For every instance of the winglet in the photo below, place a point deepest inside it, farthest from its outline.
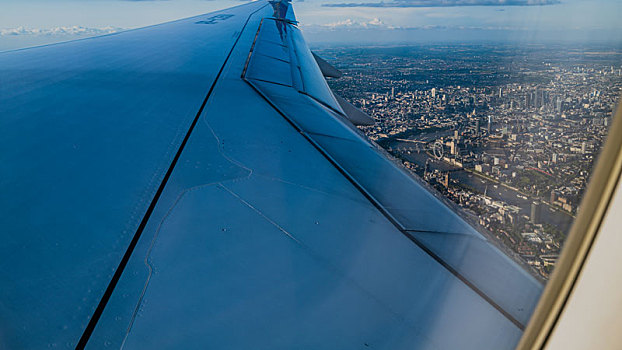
(327, 69)
(355, 115)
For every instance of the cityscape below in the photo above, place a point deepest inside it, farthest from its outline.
(508, 135)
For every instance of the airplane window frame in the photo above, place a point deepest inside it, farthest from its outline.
(593, 208)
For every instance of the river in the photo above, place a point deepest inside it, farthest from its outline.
(496, 191)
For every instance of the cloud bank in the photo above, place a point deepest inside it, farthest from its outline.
(73, 30)
(352, 24)
(446, 3)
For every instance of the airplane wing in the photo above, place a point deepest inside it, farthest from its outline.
(196, 184)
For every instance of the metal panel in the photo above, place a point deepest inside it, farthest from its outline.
(314, 83)
(273, 31)
(510, 286)
(290, 16)
(305, 74)
(413, 206)
(271, 49)
(309, 115)
(266, 280)
(88, 129)
(264, 68)
(328, 70)
(355, 115)
(281, 253)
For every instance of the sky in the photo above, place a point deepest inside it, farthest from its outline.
(334, 22)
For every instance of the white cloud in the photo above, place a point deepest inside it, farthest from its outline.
(446, 3)
(378, 25)
(73, 30)
(353, 24)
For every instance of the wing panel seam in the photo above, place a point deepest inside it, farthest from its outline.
(388, 215)
(128, 253)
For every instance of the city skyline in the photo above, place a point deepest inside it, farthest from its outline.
(507, 136)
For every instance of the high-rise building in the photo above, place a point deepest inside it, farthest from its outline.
(452, 147)
(433, 92)
(544, 98)
(445, 180)
(426, 168)
(535, 212)
(553, 196)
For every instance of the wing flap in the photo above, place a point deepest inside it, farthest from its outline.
(413, 208)
(327, 69)
(355, 115)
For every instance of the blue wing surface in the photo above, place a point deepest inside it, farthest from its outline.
(88, 130)
(196, 185)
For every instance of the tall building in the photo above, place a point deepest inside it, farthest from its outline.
(426, 168)
(433, 92)
(445, 180)
(535, 212)
(489, 124)
(452, 147)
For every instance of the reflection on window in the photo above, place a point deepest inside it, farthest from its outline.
(508, 134)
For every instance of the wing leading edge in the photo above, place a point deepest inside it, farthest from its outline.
(273, 222)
